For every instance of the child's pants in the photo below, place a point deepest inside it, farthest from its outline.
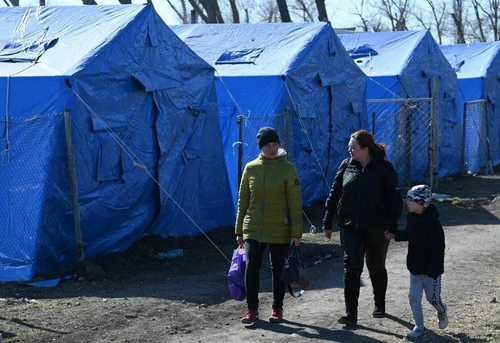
(432, 288)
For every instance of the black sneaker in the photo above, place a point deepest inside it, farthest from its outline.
(378, 312)
(348, 320)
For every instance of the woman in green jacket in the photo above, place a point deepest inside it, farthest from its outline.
(269, 216)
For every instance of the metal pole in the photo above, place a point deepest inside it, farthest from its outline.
(434, 153)
(241, 125)
(73, 184)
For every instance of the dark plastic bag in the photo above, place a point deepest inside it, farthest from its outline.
(236, 275)
(291, 273)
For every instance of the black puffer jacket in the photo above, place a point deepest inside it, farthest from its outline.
(426, 243)
(364, 199)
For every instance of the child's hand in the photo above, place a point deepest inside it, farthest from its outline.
(389, 236)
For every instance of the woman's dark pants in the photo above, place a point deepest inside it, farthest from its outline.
(357, 244)
(278, 254)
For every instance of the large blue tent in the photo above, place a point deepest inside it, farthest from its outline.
(297, 78)
(108, 130)
(478, 70)
(401, 67)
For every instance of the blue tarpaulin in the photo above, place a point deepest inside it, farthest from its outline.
(140, 104)
(478, 71)
(297, 78)
(401, 66)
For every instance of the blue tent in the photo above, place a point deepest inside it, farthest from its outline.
(138, 103)
(478, 70)
(400, 67)
(295, 77)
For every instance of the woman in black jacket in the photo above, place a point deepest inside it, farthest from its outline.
(366, 203)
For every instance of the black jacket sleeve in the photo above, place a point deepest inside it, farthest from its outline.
(334, 196)
(437, 245)
(401, 235)
(393, 199)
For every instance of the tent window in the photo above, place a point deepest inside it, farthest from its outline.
(28, 49)
(247, 56)
(362, 51)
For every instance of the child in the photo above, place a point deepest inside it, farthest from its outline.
(425, 259)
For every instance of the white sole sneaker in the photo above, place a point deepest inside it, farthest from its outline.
(443, 320)
(417, 332)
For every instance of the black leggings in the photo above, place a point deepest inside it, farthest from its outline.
(357, 245)
(255, 250)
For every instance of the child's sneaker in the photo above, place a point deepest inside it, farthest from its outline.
(250, 317)
(417, 332)
(443, 319)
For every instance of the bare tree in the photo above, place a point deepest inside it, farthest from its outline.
(368, 21)
(305, 9)
(322, 14)
(208, 10)
(458, 15)
(283, 10)
(479, 33)
(438, 14)
(397, 12)
(234, 11)
(182, 13)
(491, 9)
(268, 11)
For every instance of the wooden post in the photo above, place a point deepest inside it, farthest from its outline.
(434, 132)
(241, 127)
(73, 184)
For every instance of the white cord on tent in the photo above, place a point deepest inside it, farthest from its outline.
(138, 162)
(304, 129)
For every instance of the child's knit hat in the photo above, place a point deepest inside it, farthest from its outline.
(421, 194)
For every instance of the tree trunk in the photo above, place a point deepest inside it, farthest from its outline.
(14, 2)
(247, 16)
(234, 10)
(212, 9)
(89, 2)
(322, 14)
(458, 20)
(42, 3)
(198, 11)
(284, 13)
(482, 36)
(194, 17)
(125, 2)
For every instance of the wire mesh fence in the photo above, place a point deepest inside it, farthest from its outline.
(477, 143)
(406, 127)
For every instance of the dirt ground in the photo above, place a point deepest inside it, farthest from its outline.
(140, 298)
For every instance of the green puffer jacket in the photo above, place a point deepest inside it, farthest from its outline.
(270, 202)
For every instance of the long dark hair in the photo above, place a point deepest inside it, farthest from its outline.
(366, 140)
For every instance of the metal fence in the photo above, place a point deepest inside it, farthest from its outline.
(409, 130)
(477, 143)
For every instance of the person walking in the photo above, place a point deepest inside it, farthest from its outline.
(269, 217)
(365, 201)
(425, 259)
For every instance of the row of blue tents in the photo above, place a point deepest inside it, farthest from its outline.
(114, 126)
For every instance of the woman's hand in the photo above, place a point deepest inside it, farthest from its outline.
(295, 242)
(388, 235)
(328, 234)
(240, 242)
